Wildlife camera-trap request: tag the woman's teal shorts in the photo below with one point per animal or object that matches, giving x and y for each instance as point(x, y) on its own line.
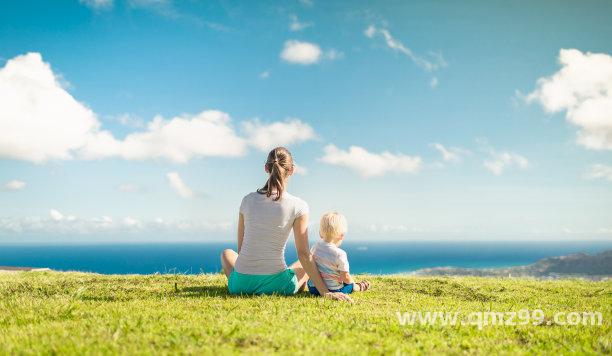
point(284, 282)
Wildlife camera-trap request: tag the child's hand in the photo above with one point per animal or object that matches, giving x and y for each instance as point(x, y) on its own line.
point(338, 296)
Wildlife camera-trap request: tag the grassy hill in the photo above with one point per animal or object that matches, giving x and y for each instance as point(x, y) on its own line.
point(76, 313)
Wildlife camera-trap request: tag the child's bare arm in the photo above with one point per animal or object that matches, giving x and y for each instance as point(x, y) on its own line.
point(346, 277)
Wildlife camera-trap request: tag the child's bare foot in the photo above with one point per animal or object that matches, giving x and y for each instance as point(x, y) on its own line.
point(362, 286)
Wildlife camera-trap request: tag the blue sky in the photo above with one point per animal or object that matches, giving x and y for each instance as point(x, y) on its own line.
point(150, 119)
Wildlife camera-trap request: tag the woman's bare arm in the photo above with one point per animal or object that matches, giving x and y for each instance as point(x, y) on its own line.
point(300, 232)
point(240, 231)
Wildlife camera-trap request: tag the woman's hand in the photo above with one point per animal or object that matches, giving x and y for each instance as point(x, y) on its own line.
point(338, 296)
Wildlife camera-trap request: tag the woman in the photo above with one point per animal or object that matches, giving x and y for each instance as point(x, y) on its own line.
point(266, 218)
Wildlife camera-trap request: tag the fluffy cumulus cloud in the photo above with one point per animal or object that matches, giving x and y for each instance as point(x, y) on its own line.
point(369, 164)
point(41, 121)
point(599, 171)
point(57, 216)
point(307, 53)
point(265, 136)
point(15, 184)
point(450, 154)
point(435, 61)
point(582, 88)
point(178, 185)
point(298, 52)
point(98, 4)
point(178, 139)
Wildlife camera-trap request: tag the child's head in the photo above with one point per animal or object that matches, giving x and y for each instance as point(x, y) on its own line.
point(332, 227)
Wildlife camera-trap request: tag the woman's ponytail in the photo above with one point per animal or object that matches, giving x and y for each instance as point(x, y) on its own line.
point(278, 164)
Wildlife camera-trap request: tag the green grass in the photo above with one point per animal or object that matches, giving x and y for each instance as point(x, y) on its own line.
point(77, 313)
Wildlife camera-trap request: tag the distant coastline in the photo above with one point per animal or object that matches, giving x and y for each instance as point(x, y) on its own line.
point(578, 265)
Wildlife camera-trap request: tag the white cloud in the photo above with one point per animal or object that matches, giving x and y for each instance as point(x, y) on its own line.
point(161, 7)
point(599, 171)
point(168, 10)
point(583, 89)
point(295, 24)
point(307, 3)
point(41, 121)
point(298, 52)
point(176, 182)
point(393, 229)
point(369, 164)
point(131, 222)
point(333, 54)
point(60, 224)
point(179, 139)
point(265, 136)
point(98, 4)
point(15, 185)
point(147, 3)
point(436, 62)
point(130, 121)
point(501, 161)
point(301, 170)
point(264, 74)
point(56, 215)
point(450, 154)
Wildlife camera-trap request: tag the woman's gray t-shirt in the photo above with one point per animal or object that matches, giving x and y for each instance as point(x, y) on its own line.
point(267, 225)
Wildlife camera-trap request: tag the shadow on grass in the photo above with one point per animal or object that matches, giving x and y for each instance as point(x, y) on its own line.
point(203, 291)
point(91, 298)
point(218, 291)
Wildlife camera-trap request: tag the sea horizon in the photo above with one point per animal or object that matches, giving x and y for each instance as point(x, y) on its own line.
point(371, 257)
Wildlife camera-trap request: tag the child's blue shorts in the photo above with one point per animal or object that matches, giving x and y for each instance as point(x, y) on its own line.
point(346, 289)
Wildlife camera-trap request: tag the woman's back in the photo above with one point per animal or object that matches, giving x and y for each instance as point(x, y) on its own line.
point(267, 225)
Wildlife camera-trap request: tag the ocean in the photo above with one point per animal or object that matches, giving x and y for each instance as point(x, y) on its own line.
point(364, 257)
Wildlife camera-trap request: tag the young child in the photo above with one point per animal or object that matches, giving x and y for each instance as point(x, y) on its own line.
point(331, 260)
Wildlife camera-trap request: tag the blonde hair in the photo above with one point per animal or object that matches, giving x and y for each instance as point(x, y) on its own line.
point(332, 225)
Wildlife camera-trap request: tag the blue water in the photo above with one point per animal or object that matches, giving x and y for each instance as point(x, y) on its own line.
point(364, 257)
